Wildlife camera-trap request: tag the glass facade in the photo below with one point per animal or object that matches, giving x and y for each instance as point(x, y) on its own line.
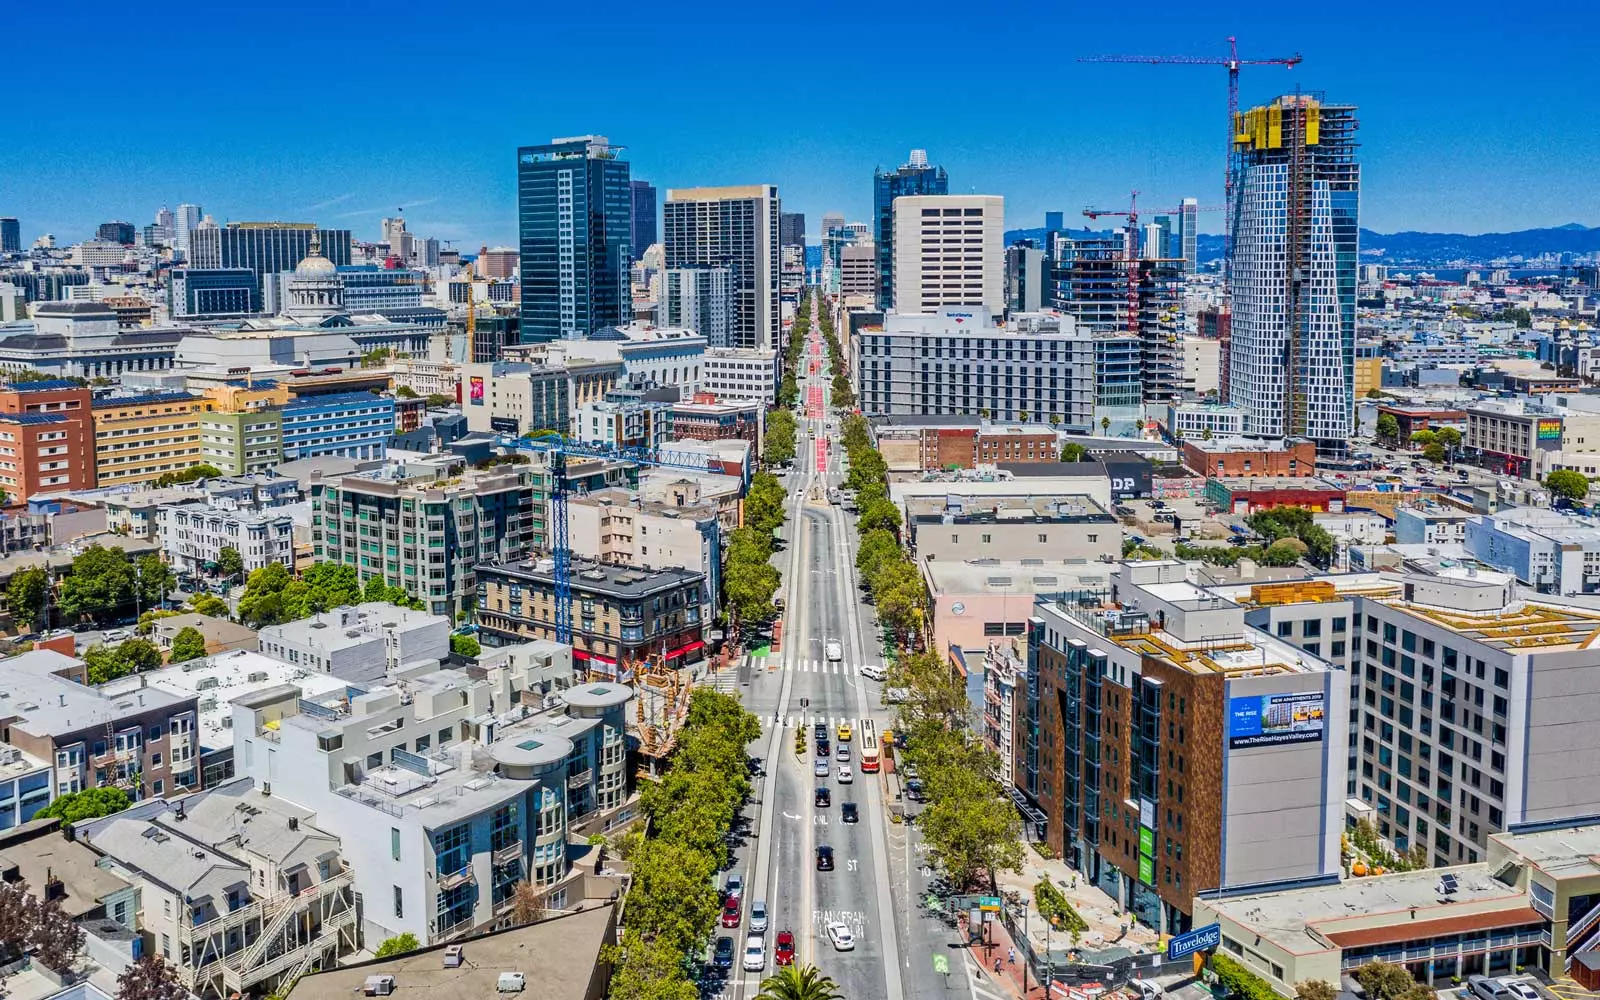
point(643, 218)
point(265, 248)
point(886, 187)
point(575, 217)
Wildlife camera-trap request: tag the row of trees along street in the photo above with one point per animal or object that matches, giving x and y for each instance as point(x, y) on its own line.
point(971, 828)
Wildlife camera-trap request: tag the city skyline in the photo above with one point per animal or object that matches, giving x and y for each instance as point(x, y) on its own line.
point(1440, 164)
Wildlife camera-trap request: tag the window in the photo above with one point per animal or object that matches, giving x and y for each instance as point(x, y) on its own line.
point(1285, 629)
point(399, 903)
point(394, 842)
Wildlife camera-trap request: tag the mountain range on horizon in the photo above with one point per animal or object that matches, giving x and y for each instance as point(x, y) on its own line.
point(1418, 248)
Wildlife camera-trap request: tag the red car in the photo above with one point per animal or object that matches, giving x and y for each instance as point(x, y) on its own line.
point(784, 955)
point(730, 912)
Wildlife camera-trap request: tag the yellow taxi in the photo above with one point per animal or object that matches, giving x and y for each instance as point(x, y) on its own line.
point(844, 732)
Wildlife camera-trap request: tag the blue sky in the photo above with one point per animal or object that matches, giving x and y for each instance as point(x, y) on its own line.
point(1475, 116)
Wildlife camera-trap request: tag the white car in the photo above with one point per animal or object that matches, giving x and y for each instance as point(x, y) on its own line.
point(1520, 988)
point(845, 777)
point(839, 934)
point(843, 753)
point(755, 953)
point(821, 770)
point(834, 650)
point(873, 673)
point(758, 917)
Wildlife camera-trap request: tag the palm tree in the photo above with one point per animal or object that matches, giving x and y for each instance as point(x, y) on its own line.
point(795, 982)
point(1105, 423)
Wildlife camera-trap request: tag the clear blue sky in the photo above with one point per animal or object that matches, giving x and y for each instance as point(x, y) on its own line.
point(1475, 116)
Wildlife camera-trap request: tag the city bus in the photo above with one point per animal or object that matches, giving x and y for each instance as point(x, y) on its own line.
point(869, 747)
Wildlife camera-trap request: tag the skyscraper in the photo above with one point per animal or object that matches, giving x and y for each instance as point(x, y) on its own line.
point(699, 299)
point(792, 229)
point(184, 221)
point(116, 232)
point(1188, 234)
point(913, 178)
point(574, 213)
point(10, 236)
point(949, 251)
point(642, 218)
point(1291, 355)
point(1089, 277)
point(264, 248)
point(736, 228)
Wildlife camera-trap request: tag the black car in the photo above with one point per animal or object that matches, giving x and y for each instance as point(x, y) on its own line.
point(824, 748)
point(824, 858)
point(847, 812)
point(723, 959)
point(824, 797)
point(820, 730)
point(914, 789)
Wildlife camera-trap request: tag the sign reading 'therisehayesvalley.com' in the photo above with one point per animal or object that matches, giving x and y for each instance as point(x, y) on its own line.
point(1271, 719)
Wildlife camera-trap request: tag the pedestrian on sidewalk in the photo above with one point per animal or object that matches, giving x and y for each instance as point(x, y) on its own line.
point(997, 966)
point(1011, 957)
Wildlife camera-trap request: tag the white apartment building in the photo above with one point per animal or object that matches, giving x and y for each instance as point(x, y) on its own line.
point(426, 377)
point(620, 527)
point(1039, 369)
point(193, 536)
point(741, 373)
point(949, 251)
point(360, 643)
point(700, 299)
point(1193, 419)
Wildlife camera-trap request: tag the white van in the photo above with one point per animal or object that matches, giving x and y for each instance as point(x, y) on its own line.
point(872, 672)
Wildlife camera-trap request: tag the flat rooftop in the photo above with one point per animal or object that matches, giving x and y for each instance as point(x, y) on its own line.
point(37, 856)
point(1573, 852)
point(992, 510)
point(560, 958)
point(1259, 484)
point(1023, 580)
point(607, 578)
point(1302, 921)
point(49, 704)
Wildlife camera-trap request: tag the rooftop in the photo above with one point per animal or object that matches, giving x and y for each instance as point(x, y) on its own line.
point(559, 956)
point(1023, 579)
point(352, 625)
point(991, 510)
point(1230, 445)
point(39, 856)
point(1260, 484)
point(608, 578)
point(145, 399)
point(50, 704)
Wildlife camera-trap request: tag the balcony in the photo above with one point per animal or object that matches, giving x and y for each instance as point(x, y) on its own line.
point(510, 854)
point(116, 755)
point(581, 779)
point(456, 878)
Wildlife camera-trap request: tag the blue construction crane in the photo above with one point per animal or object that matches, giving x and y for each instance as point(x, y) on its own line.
point(556, 451)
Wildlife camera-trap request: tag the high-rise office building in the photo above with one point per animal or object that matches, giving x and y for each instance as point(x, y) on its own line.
point(948, 251)
point(264, 248)
point(642, 219)
point(117, 232)
point(1291, 357)
point(185, 220)
point(792, 229)
point(10, 236)
point(915, 177)
point(1188, 235)
point(575, 214)
point(164, 218)
point(699, 299)
point(735, 228)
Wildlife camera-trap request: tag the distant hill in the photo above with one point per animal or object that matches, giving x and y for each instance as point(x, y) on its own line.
point(1423, 248)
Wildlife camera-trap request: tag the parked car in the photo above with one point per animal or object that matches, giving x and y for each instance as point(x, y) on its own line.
point(1484, 988)
point(1520, 988)
point(723, 957)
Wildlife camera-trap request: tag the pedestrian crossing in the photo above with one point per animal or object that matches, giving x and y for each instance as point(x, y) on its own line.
point(806, 720)
point(834, 667)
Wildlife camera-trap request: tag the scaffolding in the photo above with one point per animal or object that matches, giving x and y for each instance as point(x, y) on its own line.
point(1104, 283)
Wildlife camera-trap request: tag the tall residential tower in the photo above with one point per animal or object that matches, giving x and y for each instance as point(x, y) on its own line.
point(734, 228)
point(575, 214)
point(1291, 359)
point(643, 217)
point(915, 177)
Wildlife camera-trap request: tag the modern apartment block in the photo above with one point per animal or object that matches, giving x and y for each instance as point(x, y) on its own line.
point(1040, 368)
point(426, 535)
point(361, 643)
point(574, 214)
point(736, 228)
point(141, 438)
point(914, 177)
point(445, 791)
point(700, 299)
point(1291, 356)
point(1179, 750)
point(46, 438)
point(1089, 278)
point(264, 249)
point(242, 442)
point(516, 398)
point(622, 617)
point(621, 528)
point(346, 424)
point(741, 373)
point(948, 250)
point(143, 742)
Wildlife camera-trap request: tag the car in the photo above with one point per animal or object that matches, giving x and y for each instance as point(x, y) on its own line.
point(1146, 990)
point(823, 797)
point(914, 789)
point(1520, 988)
point(114, 635)
point(845, 775)
point(733, 888)
point(824, 858)
point(824, 747)
point(844, 732)
point(1484, 988)
point(722, 958)
point(730, 912)
point(839, 934)
point(821, 770)
point(758, 916)
point(783, 954)
point(820, 730)
point(755, 953)
point(1123, 510)
point(848, 813)
point(834, 650)
point(842, 754)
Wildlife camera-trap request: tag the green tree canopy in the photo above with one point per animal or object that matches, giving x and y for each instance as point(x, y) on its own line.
point(131, 656)
point(229, 562)
point(465, 645)
point(648, 969)
point(1568, 484)
point(799, 982)
point(25, 596)
point(438, 400)
point(101, 583)
point(1073, 452)
point(400, 944)
point(192, 474)
point(91, 803)
point(209, 605)
point(188, 644)
point(879, 515)
point(1388, 427)
point(405, 392)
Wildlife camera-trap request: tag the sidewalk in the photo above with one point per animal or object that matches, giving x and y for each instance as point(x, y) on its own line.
point(1109, 925)
point(1009, 980)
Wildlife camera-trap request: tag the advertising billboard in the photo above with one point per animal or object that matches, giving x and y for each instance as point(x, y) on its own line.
point(1147, 869)
point(1147, 841)
point(1549, 430)
point(476, 390)
point(1272, 719)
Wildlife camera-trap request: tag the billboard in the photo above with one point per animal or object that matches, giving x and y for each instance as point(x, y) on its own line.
point(1265, 720)
point(476, 390)
point(1549, 430)
point(1147, 869)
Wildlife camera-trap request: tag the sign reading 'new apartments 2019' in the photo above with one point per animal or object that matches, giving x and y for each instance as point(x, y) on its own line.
point(1271, 719)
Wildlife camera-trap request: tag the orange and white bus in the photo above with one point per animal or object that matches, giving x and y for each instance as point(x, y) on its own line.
point(869, 747)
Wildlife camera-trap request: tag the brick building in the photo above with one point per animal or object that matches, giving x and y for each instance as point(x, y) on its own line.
point(707, 418)
point(1238, 456)
point(46, 438)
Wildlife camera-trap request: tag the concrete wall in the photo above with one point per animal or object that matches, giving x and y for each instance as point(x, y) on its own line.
point(989, 540)
point(1557, 704)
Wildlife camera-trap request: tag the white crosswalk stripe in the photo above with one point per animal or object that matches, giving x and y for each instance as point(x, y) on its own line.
point(806, 720)
point(826, 667)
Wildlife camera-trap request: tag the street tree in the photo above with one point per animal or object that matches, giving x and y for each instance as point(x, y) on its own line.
point(799, 982)
point(901, 598)
point(230, 563)
point(875, 549)
point(672, 899)
point(188, 644)
point(879, 515)
point(131, 656)
point(644, 968)
point(1388, 427)
point(1315, 989)
point(101, 582)
point(25, 596)
point(210, 605)
point(150, 977)
point(971, 828)
point(1568, 484)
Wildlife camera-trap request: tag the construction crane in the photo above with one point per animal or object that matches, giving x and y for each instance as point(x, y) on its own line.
point(555, 452)
point(1232, 62)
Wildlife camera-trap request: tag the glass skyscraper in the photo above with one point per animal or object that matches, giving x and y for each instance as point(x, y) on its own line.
point(264, 248)
point(1291, 355)
point(575, 216)
point(914, 177)
point(10, 236)
point(643, 218)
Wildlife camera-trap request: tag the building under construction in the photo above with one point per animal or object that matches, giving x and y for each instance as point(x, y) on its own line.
point(1291, 357)
point(1093, 279)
